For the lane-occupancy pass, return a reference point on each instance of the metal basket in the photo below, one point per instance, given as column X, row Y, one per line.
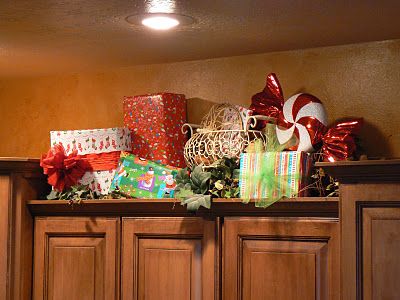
column 222, row 133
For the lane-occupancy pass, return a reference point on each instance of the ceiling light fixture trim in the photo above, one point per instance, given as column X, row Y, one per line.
column 141, row 19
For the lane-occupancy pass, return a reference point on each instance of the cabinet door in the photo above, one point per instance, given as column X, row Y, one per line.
column 370, row 240
column 380, row 253
column 273, row 258
column 76, row 258
column 168, row 258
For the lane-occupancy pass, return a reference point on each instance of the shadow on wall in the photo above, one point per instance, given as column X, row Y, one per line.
column 197, row 108
column 369, row 137
column 372, row 138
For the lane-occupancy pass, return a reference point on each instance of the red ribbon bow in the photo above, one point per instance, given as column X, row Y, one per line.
column 339, row 141
column 63, row 171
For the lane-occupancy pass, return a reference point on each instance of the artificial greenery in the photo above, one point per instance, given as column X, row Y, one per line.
column 224, row 181
column 196, row 187
column 323, row 184
column 191, row 188
column 77, row 193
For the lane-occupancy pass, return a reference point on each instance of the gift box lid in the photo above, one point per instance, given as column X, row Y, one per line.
column 93, row 140
column 160, row 94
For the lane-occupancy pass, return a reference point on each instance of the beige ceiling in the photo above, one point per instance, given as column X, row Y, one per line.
column 39, row 37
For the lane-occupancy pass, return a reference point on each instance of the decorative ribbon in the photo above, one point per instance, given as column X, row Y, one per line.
column 102, row 161
column 339, row 141
column 65, row 170
column 259, row 179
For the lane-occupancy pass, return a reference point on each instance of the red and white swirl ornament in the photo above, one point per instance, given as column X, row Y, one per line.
column 304, row 116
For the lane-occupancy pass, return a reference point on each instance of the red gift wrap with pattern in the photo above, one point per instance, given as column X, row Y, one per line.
column 155, row 121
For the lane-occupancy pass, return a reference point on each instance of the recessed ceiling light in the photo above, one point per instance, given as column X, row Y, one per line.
column 160, row 21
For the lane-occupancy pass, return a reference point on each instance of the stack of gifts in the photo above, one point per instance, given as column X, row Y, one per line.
column 142, row 159
column 90, row 157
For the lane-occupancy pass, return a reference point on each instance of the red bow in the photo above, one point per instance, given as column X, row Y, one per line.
column 63, row 171
column 339, row 141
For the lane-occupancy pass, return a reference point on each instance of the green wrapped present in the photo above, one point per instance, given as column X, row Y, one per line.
column 140, row 178
column 269, row 176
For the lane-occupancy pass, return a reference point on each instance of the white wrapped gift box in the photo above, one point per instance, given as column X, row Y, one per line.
column 94, row 141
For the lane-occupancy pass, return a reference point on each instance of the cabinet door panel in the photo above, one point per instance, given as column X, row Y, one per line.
column 168, row 258
column 76, row 258
column 381, row 248
column 266, row 258
column 4, row 223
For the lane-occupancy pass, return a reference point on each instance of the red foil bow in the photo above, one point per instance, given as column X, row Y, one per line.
column 339, row 141
column 270, row 101
column 63, row 171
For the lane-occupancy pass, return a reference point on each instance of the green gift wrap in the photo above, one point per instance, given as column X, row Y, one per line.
column 140, row 178
column 269, row 176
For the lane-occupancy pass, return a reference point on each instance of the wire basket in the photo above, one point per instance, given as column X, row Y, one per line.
column 222, row 133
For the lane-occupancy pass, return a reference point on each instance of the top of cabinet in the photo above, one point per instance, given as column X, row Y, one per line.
column 368, row 171
column 294, row 207
column 19, row 164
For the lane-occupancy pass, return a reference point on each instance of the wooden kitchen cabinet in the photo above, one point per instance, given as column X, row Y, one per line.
column 280, row 258
column 21, row 179
column 168, row 258
column 76, row 258
column 370, row 228
column 227, row 252
column 156, row 249
column 162, row 258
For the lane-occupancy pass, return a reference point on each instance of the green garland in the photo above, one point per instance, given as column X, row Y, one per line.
column 196, row 187
column 76, row 194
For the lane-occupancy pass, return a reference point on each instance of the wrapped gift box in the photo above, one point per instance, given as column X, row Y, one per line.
column 273, row 175
column 155, row 121
column 94, row 141
column 141, row 178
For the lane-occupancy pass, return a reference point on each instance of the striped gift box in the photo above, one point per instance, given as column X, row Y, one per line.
column 273, row 175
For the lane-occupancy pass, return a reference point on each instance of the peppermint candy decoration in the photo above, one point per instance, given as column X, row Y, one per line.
column 303, row 116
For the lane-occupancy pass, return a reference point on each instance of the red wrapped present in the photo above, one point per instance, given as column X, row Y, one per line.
column 155, row 121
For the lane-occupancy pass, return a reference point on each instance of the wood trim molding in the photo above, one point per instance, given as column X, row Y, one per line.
column 297, row 207
column 363, row 171
column 16, row 165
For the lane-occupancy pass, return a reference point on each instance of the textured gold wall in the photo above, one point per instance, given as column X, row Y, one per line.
column 353, row 80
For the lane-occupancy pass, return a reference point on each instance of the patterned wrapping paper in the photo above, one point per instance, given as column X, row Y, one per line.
column 273, row 175
column 94, row 141
column 155, row 121
column 141, row 178
column 244, row 114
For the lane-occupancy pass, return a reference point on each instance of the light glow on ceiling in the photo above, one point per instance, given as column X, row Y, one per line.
column 160, row 6
column 160, row 22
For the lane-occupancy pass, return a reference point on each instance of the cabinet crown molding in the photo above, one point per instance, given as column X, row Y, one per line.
column 363, row 171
